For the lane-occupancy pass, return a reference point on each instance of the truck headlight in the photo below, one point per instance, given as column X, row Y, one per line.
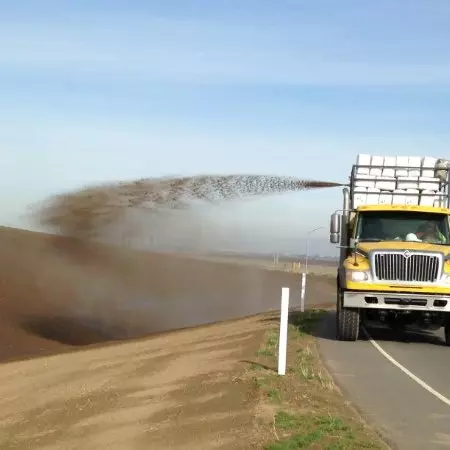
column 357, row 275
column 445, row 278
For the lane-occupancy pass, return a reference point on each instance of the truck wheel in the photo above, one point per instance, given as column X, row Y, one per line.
column 447, row 334
column 347, row 321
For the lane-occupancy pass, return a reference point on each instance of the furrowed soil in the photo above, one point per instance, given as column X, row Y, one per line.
column 89, row 360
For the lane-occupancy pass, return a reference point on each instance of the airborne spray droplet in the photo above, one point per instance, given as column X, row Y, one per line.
column 87, row 212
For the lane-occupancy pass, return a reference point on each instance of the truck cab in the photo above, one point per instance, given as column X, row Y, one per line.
column 394, row 265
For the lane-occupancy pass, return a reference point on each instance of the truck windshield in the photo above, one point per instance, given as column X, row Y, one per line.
column 402, row 226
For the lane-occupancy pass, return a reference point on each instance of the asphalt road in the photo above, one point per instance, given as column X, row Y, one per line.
column 395, row 399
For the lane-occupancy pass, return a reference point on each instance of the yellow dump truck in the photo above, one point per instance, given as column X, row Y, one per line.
column 394, row 239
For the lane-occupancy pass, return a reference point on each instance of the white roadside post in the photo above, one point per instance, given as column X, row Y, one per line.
column 282, row 342
column 302, row 293
column 303, row 290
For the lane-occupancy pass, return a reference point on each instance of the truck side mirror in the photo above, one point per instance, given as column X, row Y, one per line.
column 335, row 228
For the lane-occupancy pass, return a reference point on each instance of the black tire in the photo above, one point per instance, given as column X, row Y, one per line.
column 347, row 321
column 447, row 334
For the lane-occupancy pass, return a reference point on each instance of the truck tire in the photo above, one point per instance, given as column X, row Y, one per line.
column 447, row 334
column 347, row 321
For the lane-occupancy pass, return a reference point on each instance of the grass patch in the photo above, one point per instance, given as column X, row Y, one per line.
column 303, row 409
column 271, row 345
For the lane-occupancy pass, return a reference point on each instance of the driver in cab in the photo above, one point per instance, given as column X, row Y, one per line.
column 427, row 232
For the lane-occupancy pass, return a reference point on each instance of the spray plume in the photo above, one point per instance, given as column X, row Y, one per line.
column 85, row 213
column 119, row 292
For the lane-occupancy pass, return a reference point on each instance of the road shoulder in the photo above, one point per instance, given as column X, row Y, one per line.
column 304, row 407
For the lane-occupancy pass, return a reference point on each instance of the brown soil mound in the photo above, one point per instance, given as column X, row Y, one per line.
column 58, row 294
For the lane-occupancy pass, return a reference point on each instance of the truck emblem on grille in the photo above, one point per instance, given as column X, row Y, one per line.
column 406, row 254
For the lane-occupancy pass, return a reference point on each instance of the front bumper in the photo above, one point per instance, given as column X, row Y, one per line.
column 395, row 300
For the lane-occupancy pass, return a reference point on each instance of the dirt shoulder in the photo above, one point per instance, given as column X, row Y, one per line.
column 177, row 391
column 213, row 387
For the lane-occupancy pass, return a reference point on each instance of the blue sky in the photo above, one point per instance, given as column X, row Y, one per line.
column 95, row 91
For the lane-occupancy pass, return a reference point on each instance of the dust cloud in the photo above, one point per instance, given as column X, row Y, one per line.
column 121, row 292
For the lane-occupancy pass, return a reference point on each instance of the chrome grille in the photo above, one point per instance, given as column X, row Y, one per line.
column 405, row 266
